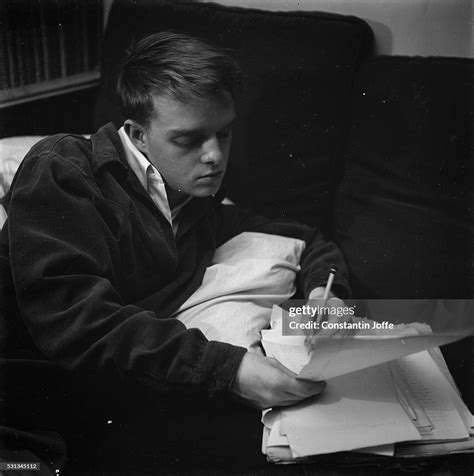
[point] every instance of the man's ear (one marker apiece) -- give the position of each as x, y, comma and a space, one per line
137, 134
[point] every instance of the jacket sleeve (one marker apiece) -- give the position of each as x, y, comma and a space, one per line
63, 273
319, 256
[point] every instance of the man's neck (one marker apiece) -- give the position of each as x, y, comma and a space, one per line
175, 198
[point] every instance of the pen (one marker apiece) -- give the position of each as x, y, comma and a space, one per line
310, 339
327, 290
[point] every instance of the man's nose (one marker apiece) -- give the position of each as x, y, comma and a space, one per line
212, 152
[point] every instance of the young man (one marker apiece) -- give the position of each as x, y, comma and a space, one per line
107, 237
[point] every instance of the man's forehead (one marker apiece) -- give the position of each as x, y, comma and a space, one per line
193, 113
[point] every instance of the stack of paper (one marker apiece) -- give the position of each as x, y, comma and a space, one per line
371, 402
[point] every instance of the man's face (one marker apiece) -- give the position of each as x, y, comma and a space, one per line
189, 143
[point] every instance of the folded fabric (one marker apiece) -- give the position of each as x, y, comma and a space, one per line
248, 275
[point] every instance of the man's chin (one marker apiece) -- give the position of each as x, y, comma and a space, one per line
206, 190
204, 194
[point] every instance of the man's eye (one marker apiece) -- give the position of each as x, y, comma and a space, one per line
187, 143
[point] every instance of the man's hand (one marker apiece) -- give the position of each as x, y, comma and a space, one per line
263, 383
335, 327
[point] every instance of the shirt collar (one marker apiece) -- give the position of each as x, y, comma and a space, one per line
137, 161
147, 172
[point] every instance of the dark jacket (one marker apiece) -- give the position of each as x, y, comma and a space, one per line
91, 270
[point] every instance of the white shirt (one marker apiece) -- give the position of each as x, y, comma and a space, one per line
151, 180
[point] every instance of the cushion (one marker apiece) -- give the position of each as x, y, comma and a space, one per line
299, 70
12, 151
248, 275
404, 209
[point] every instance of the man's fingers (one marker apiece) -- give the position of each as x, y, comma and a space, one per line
299, 388
264, 382
306, 388
339, 333
300, 391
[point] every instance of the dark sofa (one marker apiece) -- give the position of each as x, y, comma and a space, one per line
375, 150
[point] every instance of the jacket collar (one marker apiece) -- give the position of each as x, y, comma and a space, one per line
107, 148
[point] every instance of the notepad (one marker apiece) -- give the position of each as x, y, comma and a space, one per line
410, 399
363, 410
436, 399
355, 411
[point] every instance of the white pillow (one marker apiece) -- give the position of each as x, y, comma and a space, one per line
248, 275
12, 152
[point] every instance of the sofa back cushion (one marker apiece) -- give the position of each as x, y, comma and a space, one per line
404, 213
299, 70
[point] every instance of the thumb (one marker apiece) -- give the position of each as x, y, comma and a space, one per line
307, 388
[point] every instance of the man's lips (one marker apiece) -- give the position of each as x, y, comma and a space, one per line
211, 175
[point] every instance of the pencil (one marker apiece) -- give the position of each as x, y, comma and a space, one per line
310, 339
327, 290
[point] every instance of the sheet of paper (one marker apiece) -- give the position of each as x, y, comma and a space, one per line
441, 404
382, 450
273, 438
337, 356
269, 416
355, 411
265, 434
334, 357
276, 438
293, 356
279, 454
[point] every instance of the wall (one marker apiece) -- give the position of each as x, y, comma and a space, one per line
401, 27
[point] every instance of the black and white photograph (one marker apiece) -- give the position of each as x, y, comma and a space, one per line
236, 237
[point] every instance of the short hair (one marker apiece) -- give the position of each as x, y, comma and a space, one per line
173, 65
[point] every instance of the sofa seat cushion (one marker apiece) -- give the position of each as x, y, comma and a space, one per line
404, 212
